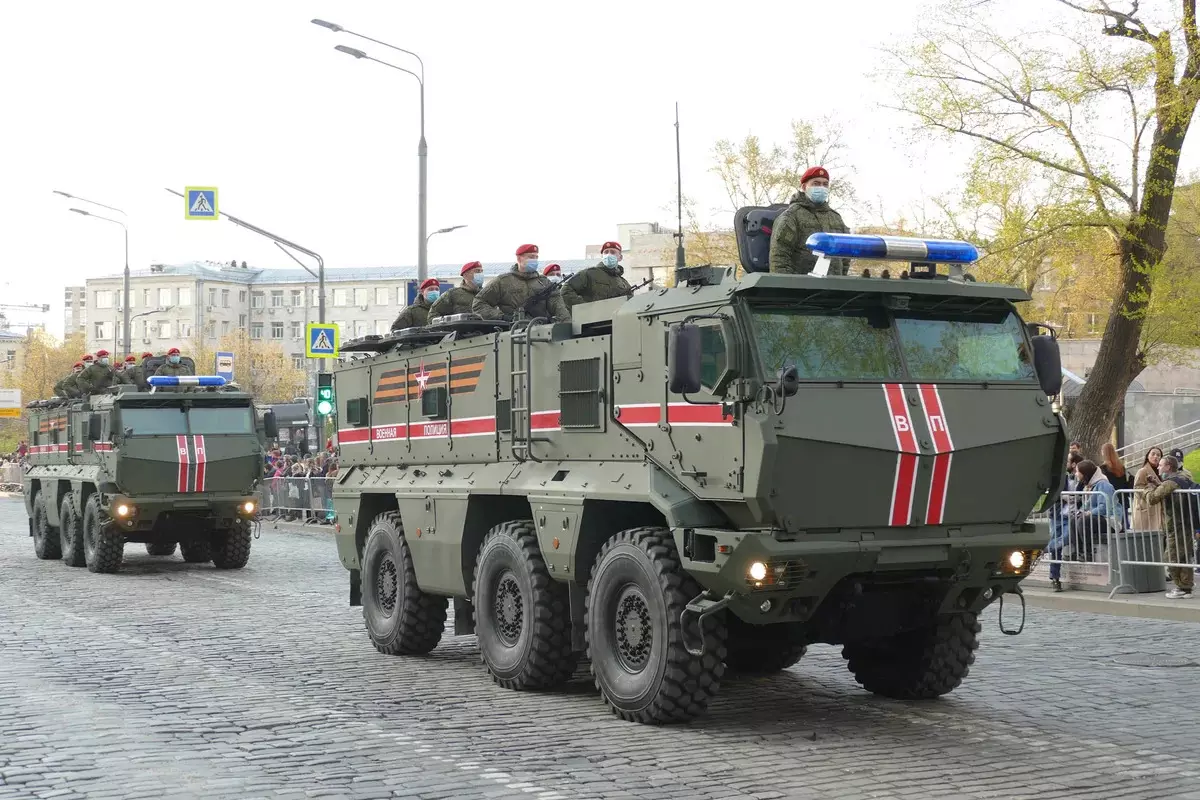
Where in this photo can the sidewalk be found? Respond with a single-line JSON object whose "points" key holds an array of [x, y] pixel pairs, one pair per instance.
{"points": [[1151, 605], [269, 525]]}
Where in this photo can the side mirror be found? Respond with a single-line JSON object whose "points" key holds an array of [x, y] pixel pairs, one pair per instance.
{"points": [[789, 380], [270, 426], [1047, 362], [95, 426], [683, 359]]}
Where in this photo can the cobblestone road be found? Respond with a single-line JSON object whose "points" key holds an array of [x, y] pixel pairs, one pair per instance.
{"points": [[170, 680]]}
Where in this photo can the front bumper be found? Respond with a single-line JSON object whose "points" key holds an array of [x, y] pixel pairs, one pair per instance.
{"points": [[150, 513], [802, 570]]}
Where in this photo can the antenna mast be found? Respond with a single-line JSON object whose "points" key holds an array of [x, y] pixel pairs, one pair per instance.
{"points": [[680, 260]]}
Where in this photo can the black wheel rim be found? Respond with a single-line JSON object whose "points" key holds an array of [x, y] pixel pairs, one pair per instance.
{"points": [[634, 629], [509, 609], [387, 584]]}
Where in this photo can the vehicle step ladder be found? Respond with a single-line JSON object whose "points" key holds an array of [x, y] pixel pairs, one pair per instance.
{"points": [[520, 348]]}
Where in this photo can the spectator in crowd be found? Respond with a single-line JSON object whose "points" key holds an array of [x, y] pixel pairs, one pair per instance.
{"points": [[1060, 522], [1147, 517], [1091, 523], [1180, 517], [1113, 469], [1076, 448]]}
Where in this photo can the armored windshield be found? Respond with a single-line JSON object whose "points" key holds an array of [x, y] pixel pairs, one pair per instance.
{"points": [[174, 420], [866, 342]]}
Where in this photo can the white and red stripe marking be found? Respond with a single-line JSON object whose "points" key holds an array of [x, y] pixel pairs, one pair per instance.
{"points": [[943, 448], [631, 416], [201, 461], [181, 446], [905, 484]]}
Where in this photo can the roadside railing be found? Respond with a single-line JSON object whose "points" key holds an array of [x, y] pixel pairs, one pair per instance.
{"points": [[298, 497]]}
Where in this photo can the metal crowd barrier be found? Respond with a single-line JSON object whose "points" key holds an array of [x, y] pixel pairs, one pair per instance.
{"points": [[310, 498], [1125, 543]]}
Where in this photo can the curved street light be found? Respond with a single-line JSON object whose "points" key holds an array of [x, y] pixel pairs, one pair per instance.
{"points": [[422, 147], [443, 230], [125, 288]]}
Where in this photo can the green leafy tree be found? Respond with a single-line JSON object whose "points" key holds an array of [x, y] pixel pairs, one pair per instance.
{"points": [[1052, 98]]}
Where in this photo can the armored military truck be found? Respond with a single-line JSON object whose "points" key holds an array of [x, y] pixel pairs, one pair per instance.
{"points": [[704, 477], [176, 465]]}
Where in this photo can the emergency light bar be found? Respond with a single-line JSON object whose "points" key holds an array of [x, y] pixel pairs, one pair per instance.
{"points": [[186, 380], [892, 248]]}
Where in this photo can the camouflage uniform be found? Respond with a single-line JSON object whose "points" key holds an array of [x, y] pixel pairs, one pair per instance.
{"points": [[122, 376], [174, 369], [68, 386], [95, 378], [415, 316], [456, 301], [595, 283], [793, 227], [1177, 522], [505, 296]]}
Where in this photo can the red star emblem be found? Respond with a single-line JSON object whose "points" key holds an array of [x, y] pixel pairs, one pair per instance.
{"points": [[422, 378]]}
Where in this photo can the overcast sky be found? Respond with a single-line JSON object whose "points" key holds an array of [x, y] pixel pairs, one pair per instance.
{"points": [[548, 122]]}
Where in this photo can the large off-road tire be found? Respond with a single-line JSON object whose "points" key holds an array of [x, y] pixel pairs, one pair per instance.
{"points": [[161, 548], [103, 545], [70, 533], [231, 546], [763, 649], [197, 550], [636, 594], [46, 543], [522, 617], [400, 618], [920, 664]]}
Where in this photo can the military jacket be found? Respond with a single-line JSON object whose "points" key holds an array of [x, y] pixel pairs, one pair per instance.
{"points": [[505, 297], [595, 283], [791, 230], [456, 301], [122, 376], [168, 368], [415, 316], [94, 378], [67, 387]]}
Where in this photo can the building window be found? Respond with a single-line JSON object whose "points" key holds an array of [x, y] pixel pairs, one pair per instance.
{"points": [[212, 297], [10, 360], [381, 295], [342, 328], [185, 297], [256, 329], [185, 330], [257, 300], [242, 321], [360, 297], [341, 297], [225, 298], [276, 298], [101, 331], [146, 301], [316, 298], [297, 297], [361, 328], [276, 330], [164, 329], [298, 362], [382, 327], [164, 298], [241, 297], [104, 299], [295, 330], [225, 328]]}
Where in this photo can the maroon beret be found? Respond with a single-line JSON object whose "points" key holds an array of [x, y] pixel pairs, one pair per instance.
{"points": [[430, 283], [470, 265], [552, 269], [526, 248], [611, 245], [814, 172]]}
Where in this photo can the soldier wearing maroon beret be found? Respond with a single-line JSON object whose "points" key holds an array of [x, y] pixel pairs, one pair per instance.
{"points": [[521, 292], [808, 213], [417, 315], [460, 299], [600, 282]]}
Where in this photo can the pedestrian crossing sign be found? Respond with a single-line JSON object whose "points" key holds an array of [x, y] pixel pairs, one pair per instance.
{"points": [[321, 340], [201, 202]]}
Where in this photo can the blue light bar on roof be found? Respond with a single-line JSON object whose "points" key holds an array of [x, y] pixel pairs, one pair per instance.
{"points": [[892, 248], [186, 380]]}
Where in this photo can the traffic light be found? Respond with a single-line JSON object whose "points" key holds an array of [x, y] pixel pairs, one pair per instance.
{"points": [[324, 394]]}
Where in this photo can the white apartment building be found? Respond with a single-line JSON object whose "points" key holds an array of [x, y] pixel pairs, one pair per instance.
{"points": [[171, 305], [74, 310]]}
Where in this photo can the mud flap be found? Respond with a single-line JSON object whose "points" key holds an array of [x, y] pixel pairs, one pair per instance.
{"points": [[464, 617], [700, 607], [355, 588], [578, 601], [1017, 591]]}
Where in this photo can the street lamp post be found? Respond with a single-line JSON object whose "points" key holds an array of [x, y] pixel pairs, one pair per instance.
{"points": [[125, 284], [443, 230], [422, 148]]}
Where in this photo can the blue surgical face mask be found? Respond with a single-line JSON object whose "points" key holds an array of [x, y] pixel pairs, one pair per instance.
{"points": [[531, 265], [432, 295], [102, 361], [174, 359], [818, 194], [609, 260]]}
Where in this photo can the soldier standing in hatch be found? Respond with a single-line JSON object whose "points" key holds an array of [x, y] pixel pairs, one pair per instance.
{"points": [[506, 296], [809, 213], [174, 365], [68, 386], [459, 299], [553, 272], [600, 282], [139, 374], [97, 376], [121, 372], [417, 315]]}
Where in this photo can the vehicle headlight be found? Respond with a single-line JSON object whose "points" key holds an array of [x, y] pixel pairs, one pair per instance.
{"points": [[1016, 560], [124, 510], [757, 571], [248, 507]]}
